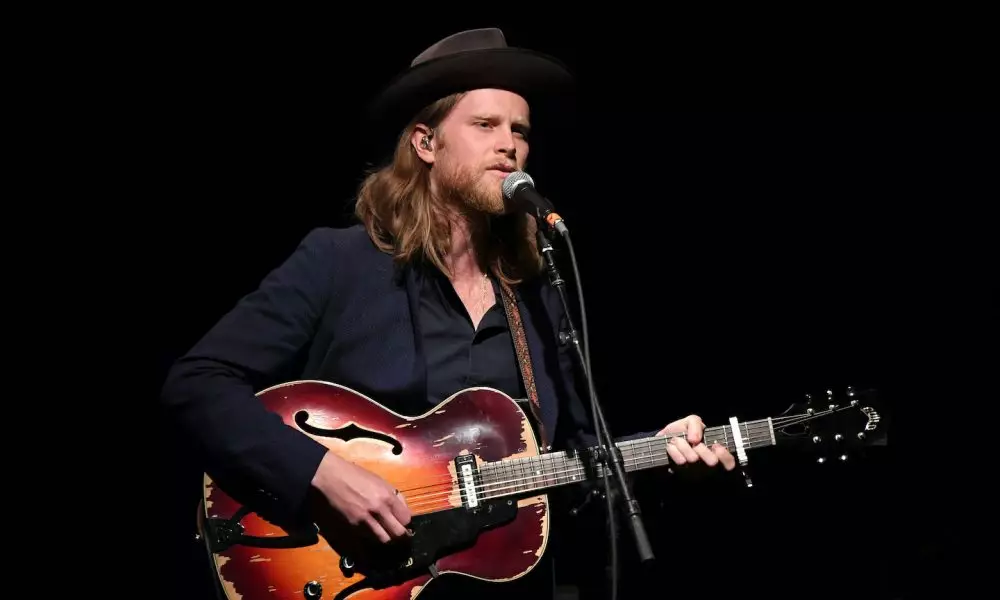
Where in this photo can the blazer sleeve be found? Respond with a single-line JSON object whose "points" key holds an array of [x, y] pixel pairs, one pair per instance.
{"points": [[578, 403], [209, 393], [579, 421]]}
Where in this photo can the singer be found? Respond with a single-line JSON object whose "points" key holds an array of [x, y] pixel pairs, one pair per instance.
{"points": [[440, 287]]}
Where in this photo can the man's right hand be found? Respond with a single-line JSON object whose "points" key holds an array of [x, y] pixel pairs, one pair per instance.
{"points": [[363, 499]]}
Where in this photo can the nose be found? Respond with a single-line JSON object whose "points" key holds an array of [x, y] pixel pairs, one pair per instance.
{"points": [[506, 142]]}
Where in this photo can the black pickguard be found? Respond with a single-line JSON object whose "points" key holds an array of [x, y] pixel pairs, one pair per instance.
{"points": [[434, 535], [346, 433]]}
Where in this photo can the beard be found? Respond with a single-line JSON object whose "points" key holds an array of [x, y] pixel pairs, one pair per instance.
{"points": [[473, 190]]}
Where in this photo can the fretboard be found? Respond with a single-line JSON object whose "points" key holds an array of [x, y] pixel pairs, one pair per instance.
{"points": [[533, 473]]}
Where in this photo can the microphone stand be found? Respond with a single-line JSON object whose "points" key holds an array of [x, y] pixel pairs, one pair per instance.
{"points": [[608, 452]]}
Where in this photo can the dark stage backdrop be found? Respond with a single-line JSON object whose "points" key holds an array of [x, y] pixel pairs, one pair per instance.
{"points": [[731, 262]]}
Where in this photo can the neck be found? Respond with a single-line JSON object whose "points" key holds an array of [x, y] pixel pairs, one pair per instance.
{"points": [[530, 474], [469, 235]]}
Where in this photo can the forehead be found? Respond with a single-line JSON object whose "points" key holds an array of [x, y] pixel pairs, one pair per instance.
{"points": [[492, 102]]}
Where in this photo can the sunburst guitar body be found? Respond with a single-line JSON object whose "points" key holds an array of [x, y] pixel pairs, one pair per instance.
{"points": [[492, 525]]}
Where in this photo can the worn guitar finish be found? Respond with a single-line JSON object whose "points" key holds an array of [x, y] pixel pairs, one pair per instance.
{"points": [[471, 472], [416, 455]]}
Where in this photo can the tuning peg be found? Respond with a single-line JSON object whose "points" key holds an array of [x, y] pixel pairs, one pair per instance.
{"points": [[850, 391], [843, 458], [821, 460], [838, 437]]}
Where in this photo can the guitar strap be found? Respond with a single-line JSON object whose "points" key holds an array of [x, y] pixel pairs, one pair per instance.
{"points": [[523, 356]]}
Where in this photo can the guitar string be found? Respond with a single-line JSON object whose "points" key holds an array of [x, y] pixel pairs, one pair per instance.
{"points": [[652, 456], [754, 433], [757, 431], [498, 487], [421, 504]]}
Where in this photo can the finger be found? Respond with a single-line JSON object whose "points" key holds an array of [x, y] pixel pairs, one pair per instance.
{"points": [[679, 426], [377, 529], [390, 523], [695, 429], [685, 449], [725, 457], [400, 509], [706, 455], [676, 455]]}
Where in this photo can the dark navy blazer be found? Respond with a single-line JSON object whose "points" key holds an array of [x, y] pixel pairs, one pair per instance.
{"points": [[338, 310]]}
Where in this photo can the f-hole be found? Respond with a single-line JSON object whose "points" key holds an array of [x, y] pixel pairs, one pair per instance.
{"points": [[346, 433]]}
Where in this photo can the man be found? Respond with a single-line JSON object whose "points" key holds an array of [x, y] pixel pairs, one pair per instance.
{"points": [[407, 307]]}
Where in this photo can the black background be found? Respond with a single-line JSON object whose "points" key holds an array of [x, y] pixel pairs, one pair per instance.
{"points": [[736, 252]]}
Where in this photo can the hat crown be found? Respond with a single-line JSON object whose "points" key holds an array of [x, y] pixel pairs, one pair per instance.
{"points": [[463, 41]]}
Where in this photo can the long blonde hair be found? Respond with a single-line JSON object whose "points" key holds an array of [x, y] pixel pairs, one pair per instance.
{"points": [[405, 219]]}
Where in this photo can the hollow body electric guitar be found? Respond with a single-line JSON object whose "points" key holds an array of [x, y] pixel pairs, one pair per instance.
{"points": [[472, 473]]}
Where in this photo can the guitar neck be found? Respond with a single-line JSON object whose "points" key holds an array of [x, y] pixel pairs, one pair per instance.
{"points": [[536, 473]]}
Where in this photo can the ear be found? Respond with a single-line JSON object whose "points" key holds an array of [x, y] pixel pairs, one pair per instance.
{"points": [[422, 140]]}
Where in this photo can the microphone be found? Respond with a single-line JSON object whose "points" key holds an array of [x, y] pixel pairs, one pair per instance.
{"points": [[519, 188]]}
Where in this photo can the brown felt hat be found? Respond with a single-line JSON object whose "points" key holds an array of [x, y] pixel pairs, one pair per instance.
{"points": [[468, 60]]}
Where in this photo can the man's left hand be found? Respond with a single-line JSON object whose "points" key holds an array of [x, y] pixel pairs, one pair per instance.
{"points": [[690, 448]]}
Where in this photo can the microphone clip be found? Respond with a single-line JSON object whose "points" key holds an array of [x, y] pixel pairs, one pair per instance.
{"points": [[545, 249]]}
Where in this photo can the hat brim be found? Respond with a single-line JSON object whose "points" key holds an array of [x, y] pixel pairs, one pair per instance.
{"points": [[539, 78]]}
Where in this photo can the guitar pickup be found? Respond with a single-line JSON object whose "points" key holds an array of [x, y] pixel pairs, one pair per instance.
{"points": [[468, 480]]}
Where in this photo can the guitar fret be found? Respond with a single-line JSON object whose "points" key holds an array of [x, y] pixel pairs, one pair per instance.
{"points": [[484, 479]]}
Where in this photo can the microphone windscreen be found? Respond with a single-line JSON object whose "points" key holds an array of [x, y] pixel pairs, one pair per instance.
{"points": [[514, 180]]}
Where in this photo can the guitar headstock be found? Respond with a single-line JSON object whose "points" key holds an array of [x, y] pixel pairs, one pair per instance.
{"points": [[834, 427]]}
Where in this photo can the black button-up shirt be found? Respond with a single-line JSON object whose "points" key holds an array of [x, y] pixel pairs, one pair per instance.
{"points": [[459, 356]]}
